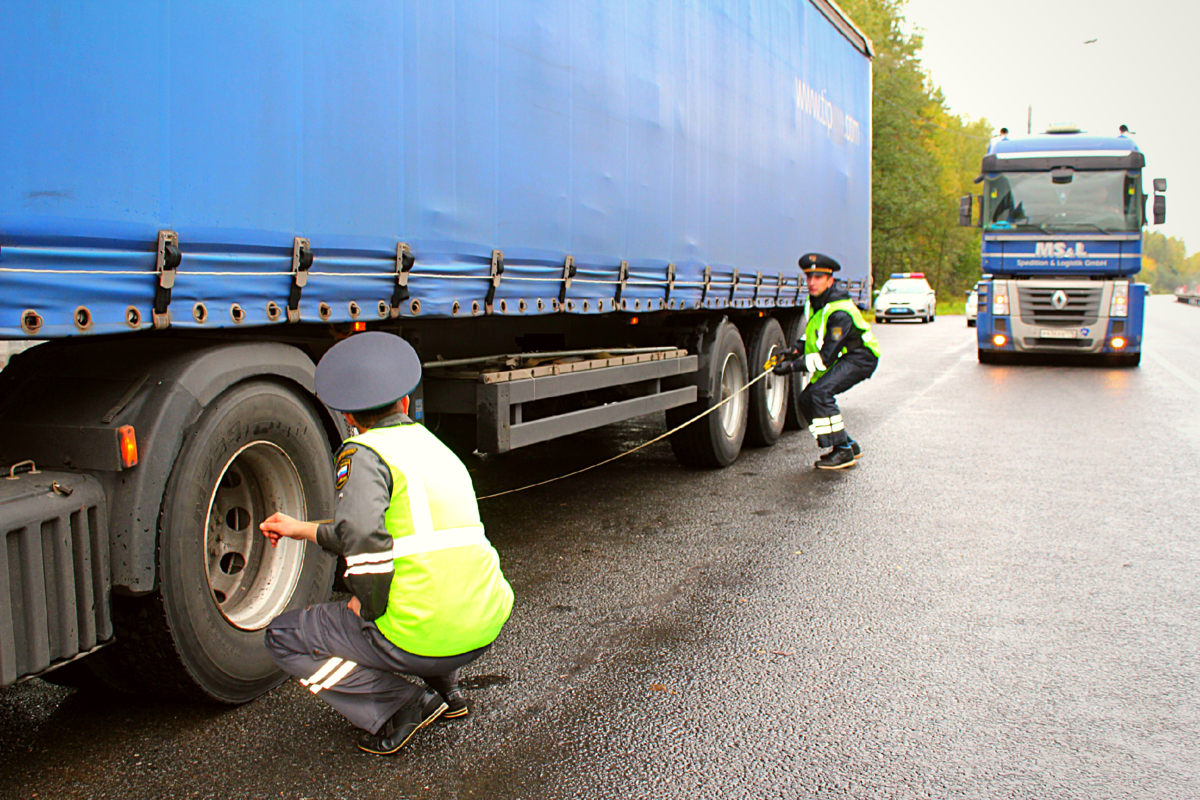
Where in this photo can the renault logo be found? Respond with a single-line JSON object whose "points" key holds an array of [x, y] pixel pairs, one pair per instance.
{"points": [[1059, 299]]}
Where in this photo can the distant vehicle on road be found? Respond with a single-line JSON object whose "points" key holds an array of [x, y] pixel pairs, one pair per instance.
{"points": [[1188, 294], [1062, 215], [906, 295], [972, 307]]}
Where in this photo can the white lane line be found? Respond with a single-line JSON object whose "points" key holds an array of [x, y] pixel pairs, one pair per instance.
{"points": [[1174, 370]]}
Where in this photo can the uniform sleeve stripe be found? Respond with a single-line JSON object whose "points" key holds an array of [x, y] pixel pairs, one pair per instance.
{"points": [[369, 558], [371, 569]]}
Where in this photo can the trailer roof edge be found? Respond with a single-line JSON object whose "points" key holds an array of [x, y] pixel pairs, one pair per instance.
{"points": [[841, 20]]}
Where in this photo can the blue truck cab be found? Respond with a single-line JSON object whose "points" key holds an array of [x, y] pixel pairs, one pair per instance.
{"points": [[1062, 215]]}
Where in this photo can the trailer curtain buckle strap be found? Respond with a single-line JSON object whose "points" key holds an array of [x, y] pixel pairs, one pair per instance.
{"points": [[497, 271], [707, 283], [404, 264], [166, 266], [670, 282], [569, 272], [622, 279], [302, 259]]}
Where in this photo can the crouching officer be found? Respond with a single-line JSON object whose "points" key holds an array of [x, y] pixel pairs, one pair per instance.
{"points": [[838, 350], [429, 596]]}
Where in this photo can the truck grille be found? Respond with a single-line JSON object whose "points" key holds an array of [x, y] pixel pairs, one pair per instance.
{"points": [[54, 572], [1037, 305]]}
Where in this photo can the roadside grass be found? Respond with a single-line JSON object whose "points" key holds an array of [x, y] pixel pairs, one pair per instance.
{"points": [[951, 307]]}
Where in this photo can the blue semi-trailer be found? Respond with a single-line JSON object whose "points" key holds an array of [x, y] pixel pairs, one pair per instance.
{"points": [[1062, 216], [577, 213]]}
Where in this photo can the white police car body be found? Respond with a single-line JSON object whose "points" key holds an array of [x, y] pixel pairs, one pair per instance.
{"points": [[906, 295]]}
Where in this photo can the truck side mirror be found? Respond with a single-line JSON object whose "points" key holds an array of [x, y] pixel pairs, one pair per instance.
{"points": [[964, 211], [1160, 208], [1160, 184]]}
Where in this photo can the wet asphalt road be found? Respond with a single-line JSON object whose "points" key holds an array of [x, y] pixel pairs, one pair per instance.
{"points": [[1000, 601]]}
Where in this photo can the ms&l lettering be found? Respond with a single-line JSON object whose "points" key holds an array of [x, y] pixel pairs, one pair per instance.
{"points": [[1059, 250]]}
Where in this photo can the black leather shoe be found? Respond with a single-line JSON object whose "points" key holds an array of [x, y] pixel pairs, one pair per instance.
{"points": [[856, 449], [396, 732], [447, 687], [837, 458]]}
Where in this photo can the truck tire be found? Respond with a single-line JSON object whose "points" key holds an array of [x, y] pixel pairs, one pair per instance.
{"points": [[768, 397], [715, 440], [257, 448], [793, 329]]}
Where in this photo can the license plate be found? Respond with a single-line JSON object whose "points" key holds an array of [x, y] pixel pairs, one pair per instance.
{"points": [[1054, 333]]}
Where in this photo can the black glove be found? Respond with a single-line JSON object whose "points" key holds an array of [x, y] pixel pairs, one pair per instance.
{"points": [[787, 361]]}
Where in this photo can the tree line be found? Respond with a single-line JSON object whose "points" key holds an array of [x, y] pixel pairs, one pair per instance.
{"points": [[925, 159], [1166, 264]]}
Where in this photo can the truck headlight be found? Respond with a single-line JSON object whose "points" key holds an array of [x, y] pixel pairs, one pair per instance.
{"points": [[1120, 300], [1000, 303]]}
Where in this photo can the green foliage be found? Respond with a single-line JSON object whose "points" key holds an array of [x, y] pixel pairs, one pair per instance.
{"points": [[925, 159], [1166, 264]]}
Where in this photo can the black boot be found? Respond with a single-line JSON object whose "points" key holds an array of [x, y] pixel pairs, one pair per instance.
{"points": [[447, 687], [855, 448], [839, 457], [396, 732]]}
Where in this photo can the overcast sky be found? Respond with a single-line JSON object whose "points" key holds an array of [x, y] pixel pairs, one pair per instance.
{"points": [[995, 59]]}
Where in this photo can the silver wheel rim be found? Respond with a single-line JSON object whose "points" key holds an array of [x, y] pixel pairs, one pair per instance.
{"points": [[776, 390], [250, 581], [733, 378]]}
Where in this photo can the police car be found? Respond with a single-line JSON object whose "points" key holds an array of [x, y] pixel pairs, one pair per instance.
{"points": [[906, 295]]}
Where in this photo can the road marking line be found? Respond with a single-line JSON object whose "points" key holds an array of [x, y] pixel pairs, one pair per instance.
{"points": [[1174, 370]]}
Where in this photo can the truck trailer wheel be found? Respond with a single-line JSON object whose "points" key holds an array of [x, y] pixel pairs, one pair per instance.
{"points": [[768, 397], [793, 329], [256, 449], [715, 440]]}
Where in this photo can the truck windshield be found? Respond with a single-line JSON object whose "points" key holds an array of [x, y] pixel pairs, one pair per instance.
{"points": [[1104, 201]]}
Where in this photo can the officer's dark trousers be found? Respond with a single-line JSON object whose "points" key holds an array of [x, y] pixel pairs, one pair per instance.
{"points": [[349, 664], [817, 403]]}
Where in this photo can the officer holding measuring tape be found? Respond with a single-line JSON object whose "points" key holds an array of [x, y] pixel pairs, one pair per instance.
{"points": [[429, 596], [838, 350]]}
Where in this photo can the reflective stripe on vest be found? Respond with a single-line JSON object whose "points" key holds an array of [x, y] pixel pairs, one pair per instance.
{"points": [[431, 541]]}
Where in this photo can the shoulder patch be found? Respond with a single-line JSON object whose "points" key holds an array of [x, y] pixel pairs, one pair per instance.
{"points": [[836, 332], [341, 472], [346, 453]]}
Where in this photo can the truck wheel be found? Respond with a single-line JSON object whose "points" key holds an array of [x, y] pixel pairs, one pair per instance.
{"points": [[257, 449], [715, 440], [793, 329], [768, 397]]}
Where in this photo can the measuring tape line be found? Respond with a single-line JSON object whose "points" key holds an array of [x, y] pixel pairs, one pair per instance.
{"points": [[766, 371]]}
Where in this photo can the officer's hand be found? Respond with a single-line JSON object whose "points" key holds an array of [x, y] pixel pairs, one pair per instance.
{"points": [[791, 354], [354, 605], [280, 525], [785, 367]]}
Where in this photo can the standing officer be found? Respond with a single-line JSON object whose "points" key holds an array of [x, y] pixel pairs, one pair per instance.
{"points": [[838, 351], [429, 596]]}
